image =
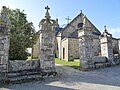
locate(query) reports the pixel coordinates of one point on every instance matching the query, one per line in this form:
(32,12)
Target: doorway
(63,53)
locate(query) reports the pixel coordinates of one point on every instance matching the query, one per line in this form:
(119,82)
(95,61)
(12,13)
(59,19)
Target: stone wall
(73,48)
(19,65)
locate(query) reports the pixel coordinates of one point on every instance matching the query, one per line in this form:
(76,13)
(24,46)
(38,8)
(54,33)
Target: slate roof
(57,30)
(74,34)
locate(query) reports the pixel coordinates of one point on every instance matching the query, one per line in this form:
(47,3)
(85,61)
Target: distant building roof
(57,30)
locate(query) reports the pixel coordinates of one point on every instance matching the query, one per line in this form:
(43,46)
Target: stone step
(24,76)
(102,65)
(21,79)
(25,73)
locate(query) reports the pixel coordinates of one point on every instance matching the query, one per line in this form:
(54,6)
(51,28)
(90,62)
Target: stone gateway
(78,39)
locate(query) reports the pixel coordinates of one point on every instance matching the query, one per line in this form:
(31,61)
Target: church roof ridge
(81,14)
(92,24)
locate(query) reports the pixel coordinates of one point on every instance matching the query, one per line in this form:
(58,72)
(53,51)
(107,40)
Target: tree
(22,35)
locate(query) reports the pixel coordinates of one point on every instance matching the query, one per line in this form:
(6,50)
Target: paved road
(71,79)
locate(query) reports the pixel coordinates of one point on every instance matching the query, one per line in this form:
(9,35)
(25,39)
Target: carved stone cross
(47,8)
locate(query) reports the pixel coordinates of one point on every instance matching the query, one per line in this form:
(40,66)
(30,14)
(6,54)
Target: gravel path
(71,79)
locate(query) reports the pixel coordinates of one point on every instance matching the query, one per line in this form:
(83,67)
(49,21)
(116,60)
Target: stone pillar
(106,46)
(86,48)
(4,36)
(47,43)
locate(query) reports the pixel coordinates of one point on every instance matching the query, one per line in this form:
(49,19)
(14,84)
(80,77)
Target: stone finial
(47,15)
(105,29)
(80,11)
(105,33)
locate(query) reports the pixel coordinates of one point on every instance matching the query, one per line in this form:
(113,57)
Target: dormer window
(80,25)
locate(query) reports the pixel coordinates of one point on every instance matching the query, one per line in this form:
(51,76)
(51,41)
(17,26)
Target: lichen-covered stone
(86,49)
(4,36)
(47,43)
(19,65)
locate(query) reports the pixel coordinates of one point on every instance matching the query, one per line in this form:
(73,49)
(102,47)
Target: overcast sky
(99,12)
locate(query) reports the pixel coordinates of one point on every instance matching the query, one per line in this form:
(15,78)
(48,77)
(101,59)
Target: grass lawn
(74,64)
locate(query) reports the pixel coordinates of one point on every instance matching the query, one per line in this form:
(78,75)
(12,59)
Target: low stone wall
(99,59)
(19,65)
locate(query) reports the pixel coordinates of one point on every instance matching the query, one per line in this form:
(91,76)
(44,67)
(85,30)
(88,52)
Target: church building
(67,41)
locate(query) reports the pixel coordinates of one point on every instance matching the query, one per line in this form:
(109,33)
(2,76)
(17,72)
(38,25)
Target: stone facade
(69,48)
(67,38)
(70,33)
(47,42)
(73,47)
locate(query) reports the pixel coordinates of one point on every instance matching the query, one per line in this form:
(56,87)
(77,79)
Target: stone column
(4,36)
(106,46)
(47,43)
(86,48)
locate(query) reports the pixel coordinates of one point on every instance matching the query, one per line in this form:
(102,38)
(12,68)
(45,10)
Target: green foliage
(22,35)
